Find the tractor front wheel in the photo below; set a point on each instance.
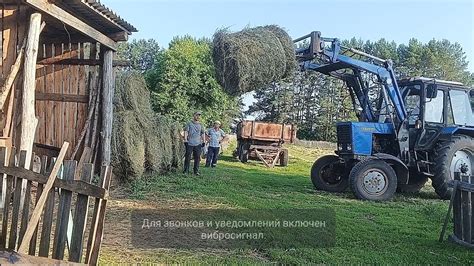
(327, 174)
(373, 179)
(455, 155)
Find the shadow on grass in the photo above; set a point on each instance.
(253, 179)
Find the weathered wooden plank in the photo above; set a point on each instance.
(74, 90)
(26, 203)
(64, 209)
(94, 220)
(3, 178)
(16, 207)
(47, 222)
(67, 76)
(40, 105)
(8, 84)
(108, 82)
(95, 85)
(76, 186)
(74, 98)
(39, 191)
(68, 19)
(80, 62)
(7, 130)
(49, 110)
(466, 212)
(82, 107)
(39, 207)
(29, 121)
(457, 211)
(472, 211)
(80, 217)
(58, 127)
(97, 231)
(85, 158)
(6, 209)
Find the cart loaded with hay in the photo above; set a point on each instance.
(263, 141)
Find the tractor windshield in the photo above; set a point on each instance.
(412, 102)
(461, 107)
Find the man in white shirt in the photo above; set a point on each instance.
(215, 136)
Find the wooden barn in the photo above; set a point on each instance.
(56, 115)
(57, 75)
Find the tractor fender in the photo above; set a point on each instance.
(401, 169)
(448, 132)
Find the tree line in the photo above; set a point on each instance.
(181, 79)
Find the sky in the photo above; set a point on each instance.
(397, 20)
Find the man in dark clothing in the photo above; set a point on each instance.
(194, 139)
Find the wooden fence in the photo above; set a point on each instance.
(462, 205)
(53, 225)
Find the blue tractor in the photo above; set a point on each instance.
(408, 130)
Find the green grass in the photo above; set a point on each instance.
(404, 230)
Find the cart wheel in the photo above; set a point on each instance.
(244, 153)
(284, 157)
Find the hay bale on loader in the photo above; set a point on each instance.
(252, 58)
(142, 142)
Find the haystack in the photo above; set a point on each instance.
(252, 58)
(143, 142)
(128, 146)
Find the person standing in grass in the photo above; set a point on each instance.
(215, 136)
(194, 139)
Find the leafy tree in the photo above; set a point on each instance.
(142, 54)
(185, 82)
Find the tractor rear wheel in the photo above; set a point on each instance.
(454, 155)
(415, 184)
(373, 179)
(328, 174)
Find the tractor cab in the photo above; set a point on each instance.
(435, 107)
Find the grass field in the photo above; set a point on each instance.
(404, 230)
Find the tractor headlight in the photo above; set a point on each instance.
(339, 147)
(349, 147)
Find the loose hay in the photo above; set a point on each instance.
(128, 149)
(131, 93)
(142, 142)
(252, 58)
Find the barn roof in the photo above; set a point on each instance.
(94, 12)
(71, 19)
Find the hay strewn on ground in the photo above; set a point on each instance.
(252, 58)
(142, 142)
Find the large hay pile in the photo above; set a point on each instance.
(142, 142)
(252, 58)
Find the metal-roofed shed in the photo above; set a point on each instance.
(56, 86)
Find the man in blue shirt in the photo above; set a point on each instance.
(194, 139)
(215, 136)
